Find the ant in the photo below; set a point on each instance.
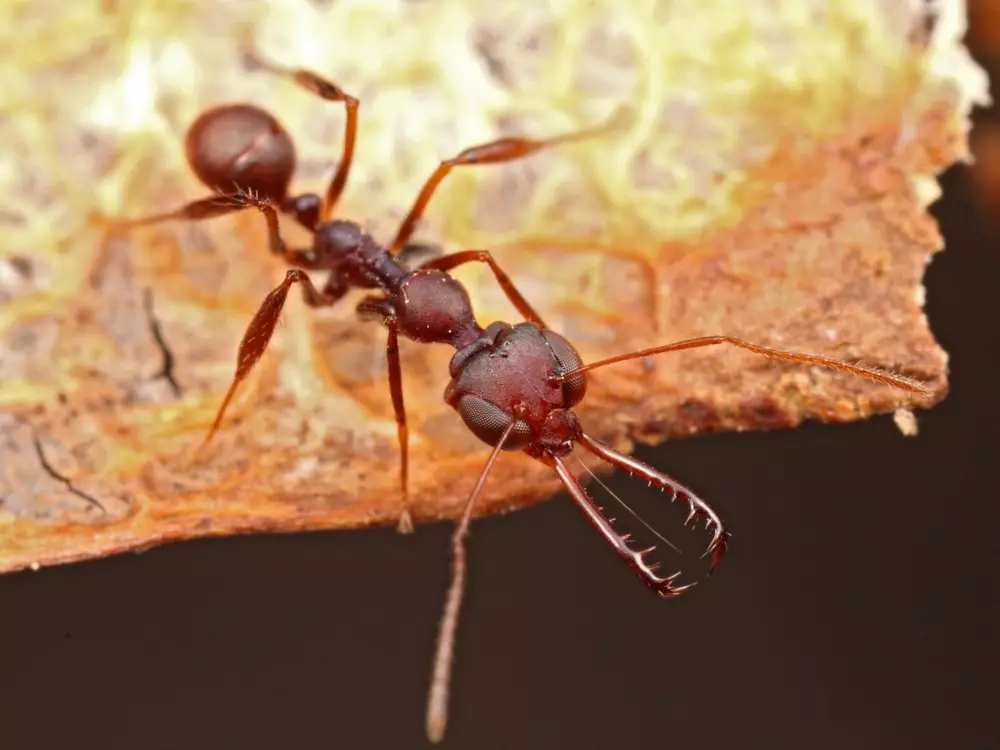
(514, 386)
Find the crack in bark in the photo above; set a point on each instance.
(51, 471)
(167, 369)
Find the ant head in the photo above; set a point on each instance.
(243, 148)
(515, 375)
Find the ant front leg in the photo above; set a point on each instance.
(447, 262)
(493, 152)
(261, 328)
(297, 258)
(332, 93)
(378, 306)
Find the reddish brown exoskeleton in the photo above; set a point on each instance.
(514, 386)
(248, 158)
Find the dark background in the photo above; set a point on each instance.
(857, 608)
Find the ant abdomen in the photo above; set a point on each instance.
(241, 148)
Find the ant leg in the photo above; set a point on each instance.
(447, 262)
(381, 308)
(205, 208)
(493, 152)
(298, 258)
(261, 328)
(414, 254)
(437, 702)
(872, 373)
(332, 93)
(405, 525)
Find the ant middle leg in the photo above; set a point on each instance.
(493, 152)
(447, 262)
(303, 206)
(405, 525)
(261, 328)
(379, 307)
(415, 254)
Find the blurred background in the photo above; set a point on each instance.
(857, 608)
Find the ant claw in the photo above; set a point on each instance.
(405, 523)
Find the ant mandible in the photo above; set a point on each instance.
(514, 386)
(248, 158)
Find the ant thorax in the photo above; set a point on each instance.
(515, 373)
(344, 246)
(433, 307)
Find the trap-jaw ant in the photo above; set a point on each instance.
(514, 386)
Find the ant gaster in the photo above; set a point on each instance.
(514, 386)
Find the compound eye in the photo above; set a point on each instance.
(575, 387)
(488, 421)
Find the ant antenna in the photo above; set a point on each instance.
(437, 702)
(872, 373)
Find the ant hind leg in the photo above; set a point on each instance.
(331, 92)
(199, 210)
